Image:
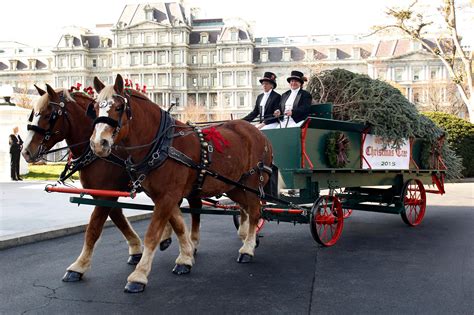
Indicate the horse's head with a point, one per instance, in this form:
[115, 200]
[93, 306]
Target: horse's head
[47, 122]
[113, 114]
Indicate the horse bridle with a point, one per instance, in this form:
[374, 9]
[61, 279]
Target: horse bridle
[58, 110]
[116, 124]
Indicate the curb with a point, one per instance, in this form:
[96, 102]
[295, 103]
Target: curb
[43, 235]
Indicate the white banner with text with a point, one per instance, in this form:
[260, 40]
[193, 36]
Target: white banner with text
[382, 155]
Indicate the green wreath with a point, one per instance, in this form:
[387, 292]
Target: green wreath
[337, 150]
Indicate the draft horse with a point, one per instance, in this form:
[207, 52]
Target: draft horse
[180, 158]
[59, 115]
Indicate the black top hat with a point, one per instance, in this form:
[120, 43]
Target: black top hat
[269, 77]
[297, 75]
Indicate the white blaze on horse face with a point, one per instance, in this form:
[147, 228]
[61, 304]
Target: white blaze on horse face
[31, 133]
[104, 108]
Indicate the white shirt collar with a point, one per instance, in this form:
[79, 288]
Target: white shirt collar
[267, 93]
[295, 90]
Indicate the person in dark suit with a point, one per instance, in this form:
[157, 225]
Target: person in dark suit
[296, 102]
[267, 102]
[16, 145]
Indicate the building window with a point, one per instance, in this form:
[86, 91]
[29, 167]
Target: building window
[76, 62]
[177, 80]
[177, 58]
[177, 37]
[134, 59]
[381, 74]
[227, 55]
[332, 53]
[176, 98]
[227, 78]
[241, 98]
[241, 78]
[162, 57]
[214, 79]
[148, 58]
[135, 39]
[149, 38]
[399, 74]
[62, 82]
[193, 82]
[205, 81]
[417, 75]
[263, 56]
[286, 54]
[435, 73]
[94, 63]
[163, 38]
[135, 78]
[62, 62]
[162, 80]
[104, 62]
[205, 59]
[194, 59]
[214, 58]
[204, 38]
[416, 97]
[121, 60]
[148, 80]
[233, 36]
[122, 40]
[227, 99]
[241, 55]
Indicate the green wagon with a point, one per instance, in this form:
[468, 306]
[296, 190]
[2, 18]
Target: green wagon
[328, 169]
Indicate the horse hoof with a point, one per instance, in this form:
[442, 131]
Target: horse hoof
[257, 241]
[134, 259]
[134, 287]
[72, 276]
[244, 258]
[164, 244]
[181, 269]
[195, 251]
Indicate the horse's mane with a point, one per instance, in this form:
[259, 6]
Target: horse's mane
[108, 91]
[139, 94]
[43, 101]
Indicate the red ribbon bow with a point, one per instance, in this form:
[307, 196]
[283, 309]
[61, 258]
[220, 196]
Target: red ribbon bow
[211, 134]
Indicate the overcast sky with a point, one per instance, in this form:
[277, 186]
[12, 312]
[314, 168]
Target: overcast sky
[39, 23]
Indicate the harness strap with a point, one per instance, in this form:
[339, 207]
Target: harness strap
[157, 154]
[106, 120]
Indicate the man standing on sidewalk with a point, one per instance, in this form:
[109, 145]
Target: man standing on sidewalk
[16, 145]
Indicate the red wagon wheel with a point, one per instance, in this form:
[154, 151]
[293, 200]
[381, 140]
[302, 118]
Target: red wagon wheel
[327, 220]
[347, 213]
[414, 201]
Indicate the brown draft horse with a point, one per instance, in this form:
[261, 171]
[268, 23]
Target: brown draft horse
[72, 124]
[128, 120]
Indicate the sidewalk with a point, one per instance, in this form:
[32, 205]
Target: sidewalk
[29, 214]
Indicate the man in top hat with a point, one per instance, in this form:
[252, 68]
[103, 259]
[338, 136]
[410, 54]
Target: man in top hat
[267, 102]
[16, 144]
[295, 103]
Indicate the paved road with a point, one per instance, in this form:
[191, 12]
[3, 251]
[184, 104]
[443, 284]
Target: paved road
[379, 266]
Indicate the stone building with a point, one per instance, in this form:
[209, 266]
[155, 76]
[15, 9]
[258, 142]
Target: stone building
[209, 64]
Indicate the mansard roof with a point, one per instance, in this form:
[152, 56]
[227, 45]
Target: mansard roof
[400, 47]
[163, 13]
[195, 36]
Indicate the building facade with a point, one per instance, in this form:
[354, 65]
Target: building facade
[210, 65]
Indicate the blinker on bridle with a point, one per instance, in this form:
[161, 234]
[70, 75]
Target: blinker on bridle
[117, 124]
[47, 133]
